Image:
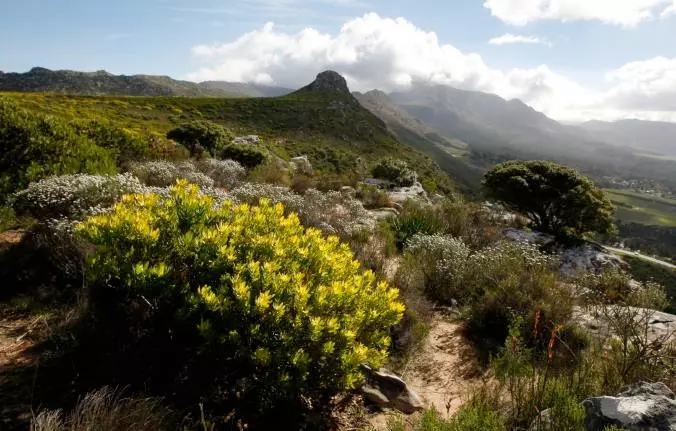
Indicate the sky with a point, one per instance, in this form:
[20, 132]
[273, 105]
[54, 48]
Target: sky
[575, 60]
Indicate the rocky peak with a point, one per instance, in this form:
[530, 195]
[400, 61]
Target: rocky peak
[329, 82]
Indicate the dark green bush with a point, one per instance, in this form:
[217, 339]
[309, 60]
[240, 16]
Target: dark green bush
[198, 135]
[246, 155]
[395, 171]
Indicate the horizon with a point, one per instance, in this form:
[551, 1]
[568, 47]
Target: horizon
[572, 61]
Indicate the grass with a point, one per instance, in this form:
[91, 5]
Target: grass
[645, 209]
[337, 134]
[644, 271]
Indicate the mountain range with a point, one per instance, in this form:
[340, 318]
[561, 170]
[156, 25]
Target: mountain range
[465, 132]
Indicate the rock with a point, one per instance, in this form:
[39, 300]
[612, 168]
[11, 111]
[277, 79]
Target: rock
[246, 140]
[415, 192]
[588, 257]
[385, 389]
[349, 190]
[378, 183]
[301, 164]
[528, 236]
[658, 325]
[384, 213]
[328, 82]
[642, 407]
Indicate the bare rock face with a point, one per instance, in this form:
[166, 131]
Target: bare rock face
[415, 192]
[301, 164]
[385, 389]
[246, 140]
[642, 407]
[329, 82]
[656, 325]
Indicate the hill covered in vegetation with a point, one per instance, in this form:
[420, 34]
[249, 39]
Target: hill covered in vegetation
[323, 121]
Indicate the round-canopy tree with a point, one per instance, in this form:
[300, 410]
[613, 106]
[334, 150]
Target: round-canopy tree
[201, 134]
[556, 199]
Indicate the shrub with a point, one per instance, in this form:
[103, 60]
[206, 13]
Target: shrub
[73, 196]
[224, 173]
[289, 307]
[469, 418]
[106, 409]
[126, 146]
[163, 174]
[247, 155]
[199, 135]
[372, 197]
[252, 193]
[270, 172]
[395, 171]
[415, 219]
[335, 212]
[33, 147]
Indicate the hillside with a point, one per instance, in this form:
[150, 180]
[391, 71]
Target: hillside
[448, 153]
[497, 129]
[322, 120]
[645, 136]
[102, 83]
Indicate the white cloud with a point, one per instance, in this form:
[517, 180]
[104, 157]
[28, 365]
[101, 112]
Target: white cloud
[509, 38]
[391, 54]
[669, 11]
[626, 13]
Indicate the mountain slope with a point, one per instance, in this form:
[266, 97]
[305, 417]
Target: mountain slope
[102, 83]
[322, 120]
[490, 124]
[448, 153]
[648, 136]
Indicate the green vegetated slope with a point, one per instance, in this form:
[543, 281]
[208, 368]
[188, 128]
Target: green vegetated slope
[321, 120]
[645, 209]
[643, 270]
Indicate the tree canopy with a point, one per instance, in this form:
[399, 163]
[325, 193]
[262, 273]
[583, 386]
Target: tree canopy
[556, 199]
[200, 134]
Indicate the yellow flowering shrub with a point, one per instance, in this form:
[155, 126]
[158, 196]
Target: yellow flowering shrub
[291, 304]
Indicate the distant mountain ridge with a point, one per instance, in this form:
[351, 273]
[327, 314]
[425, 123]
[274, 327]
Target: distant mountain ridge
[647, 136]
[102, 83]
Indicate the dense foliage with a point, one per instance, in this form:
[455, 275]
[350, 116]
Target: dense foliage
[200, 135]
[289, 305]
[33, 147]
[395, 171]
[245, 154]
[556, 199]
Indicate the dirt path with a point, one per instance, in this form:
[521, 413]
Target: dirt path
[443, 372]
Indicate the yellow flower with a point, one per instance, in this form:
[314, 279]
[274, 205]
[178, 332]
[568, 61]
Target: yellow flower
[263, 301]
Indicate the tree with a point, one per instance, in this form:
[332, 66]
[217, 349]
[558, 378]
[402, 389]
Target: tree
[245, 154]
[556, 199]
[199, 134]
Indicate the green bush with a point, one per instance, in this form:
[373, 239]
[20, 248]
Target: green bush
[200, 135]
[33, 147]
[288, 305]
[415, 219]
[395, 171]
[246, 155]
[127, 146]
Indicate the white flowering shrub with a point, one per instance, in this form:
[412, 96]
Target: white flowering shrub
[252, 193]
[333, 210]
[73, 196]
[496, 283]
[224, 173]
[160, 173]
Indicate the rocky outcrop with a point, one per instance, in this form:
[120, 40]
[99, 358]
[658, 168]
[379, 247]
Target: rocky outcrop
[588, 257]
[656, 325]
[301, 164]
[388, 390]
[415, 192]
[642, 407]
[246, 140]
[328, 82]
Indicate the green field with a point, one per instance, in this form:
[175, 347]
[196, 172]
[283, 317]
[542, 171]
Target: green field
[645, 209]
